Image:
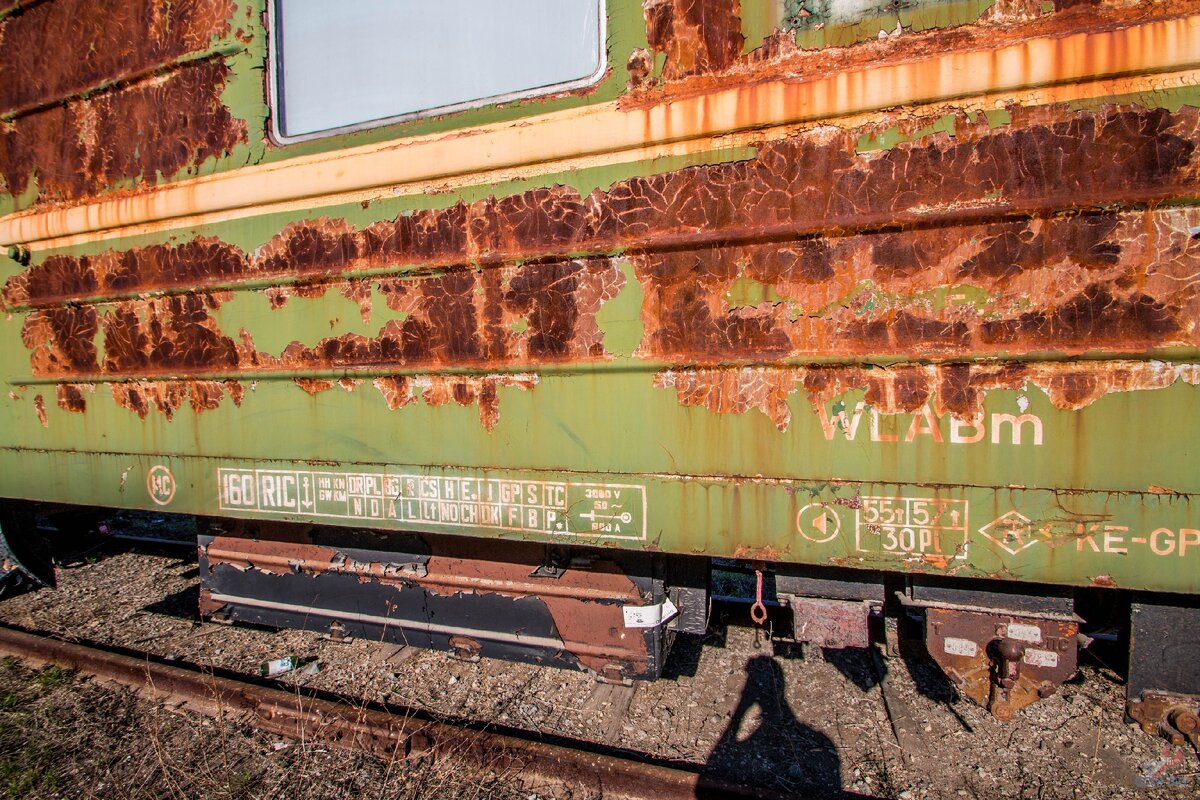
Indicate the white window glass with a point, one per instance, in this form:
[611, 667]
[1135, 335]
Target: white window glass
[359, 63]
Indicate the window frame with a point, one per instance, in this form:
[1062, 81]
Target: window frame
[274, 100]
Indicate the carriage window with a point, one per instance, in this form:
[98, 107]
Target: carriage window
[346, 66]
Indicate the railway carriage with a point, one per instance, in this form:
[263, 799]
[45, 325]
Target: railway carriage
[532, 329]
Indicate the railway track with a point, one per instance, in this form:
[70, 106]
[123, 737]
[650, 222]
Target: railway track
[542, 763]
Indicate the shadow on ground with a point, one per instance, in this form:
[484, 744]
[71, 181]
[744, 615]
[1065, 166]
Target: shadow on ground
[765, 743]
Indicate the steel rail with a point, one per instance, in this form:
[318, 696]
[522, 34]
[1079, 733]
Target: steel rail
[300, 713]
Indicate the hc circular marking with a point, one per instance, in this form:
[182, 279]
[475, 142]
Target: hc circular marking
[160, 483]
[818, 523]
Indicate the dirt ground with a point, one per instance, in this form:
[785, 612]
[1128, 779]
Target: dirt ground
[816, 723]
[65, 737]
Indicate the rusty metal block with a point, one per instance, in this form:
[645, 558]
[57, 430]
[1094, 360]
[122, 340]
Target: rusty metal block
[1174, 717]
[831, 623]
[1002, 661]
[1164, 673]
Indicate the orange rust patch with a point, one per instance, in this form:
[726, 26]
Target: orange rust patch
[61, 340]
[165, 334]
[156, 127]
[54, 50]
[438, 390]
[814, 183]
[758, 553]
[167, 397]
[270, 555]
[208, 606]
[39, 405]
[697, 36]
[70, 396]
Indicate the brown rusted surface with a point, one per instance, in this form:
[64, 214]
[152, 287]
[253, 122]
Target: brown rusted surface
[459, 318]
[437, 390]
[697, 36]
[70, 396]
[208, 607]
[1174, 717]
[158, 126]
[467, 318]
[944, 249]
[830, 623]
[62, 340]
[59, 49]
[1047, 160]
[270, 554]
[1007, 22]
[167, 397]
[1002, 662]
[167, 333]
[174, 333]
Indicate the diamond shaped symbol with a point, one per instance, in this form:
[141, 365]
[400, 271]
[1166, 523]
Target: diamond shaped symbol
[1012, 531]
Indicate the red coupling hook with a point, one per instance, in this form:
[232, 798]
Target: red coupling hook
[758, 612]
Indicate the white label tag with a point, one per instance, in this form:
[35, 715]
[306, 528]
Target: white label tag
[960, 647]
[1026, 633]
[649, 616]
[1041, 658]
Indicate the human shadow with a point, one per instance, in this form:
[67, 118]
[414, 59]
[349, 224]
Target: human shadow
[184, 604]
[781, 751]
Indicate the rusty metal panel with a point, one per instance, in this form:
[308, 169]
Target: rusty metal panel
[564, 609]
[52, 51]
[956, 338]
[1002, 661]
[94, 101]
[830, 623]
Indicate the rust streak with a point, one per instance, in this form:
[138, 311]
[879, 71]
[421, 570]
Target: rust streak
[780, 57]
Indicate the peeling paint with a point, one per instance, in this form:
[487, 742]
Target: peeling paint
[160, 126]
[1046, 159]
[957, 390]
[696, 36]
[60, 49]
[1002, 273]
[806, 37]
